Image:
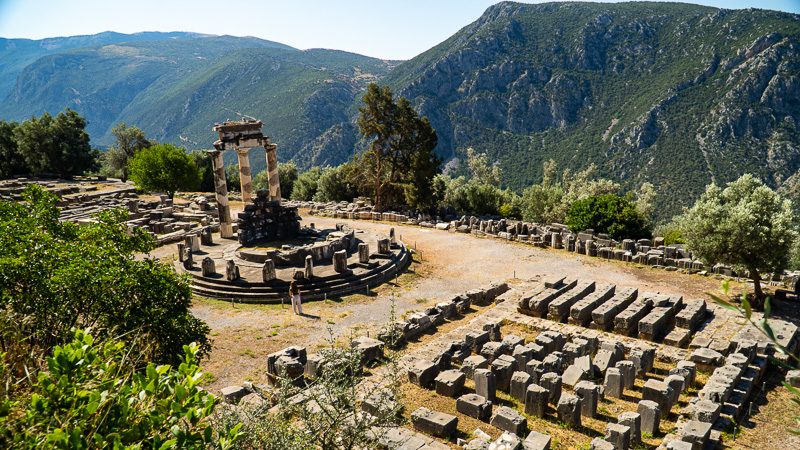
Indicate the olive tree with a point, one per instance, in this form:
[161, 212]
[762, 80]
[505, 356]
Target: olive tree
[164, 168]
[746, 225]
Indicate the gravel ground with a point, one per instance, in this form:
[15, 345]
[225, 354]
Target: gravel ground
[450, 264]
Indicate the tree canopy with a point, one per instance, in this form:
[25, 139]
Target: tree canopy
[164, 168]
[57, 144]
[127, 141]
[61, 276]
[401, 158]
[609, 214]
[746, 225]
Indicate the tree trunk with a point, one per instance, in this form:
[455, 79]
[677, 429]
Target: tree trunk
[758, 300]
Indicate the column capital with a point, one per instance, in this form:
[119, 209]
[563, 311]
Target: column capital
[214, 152]
[242, 151]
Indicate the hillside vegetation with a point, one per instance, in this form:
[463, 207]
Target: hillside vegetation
[673, 94]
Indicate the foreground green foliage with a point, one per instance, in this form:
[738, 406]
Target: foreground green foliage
[62, 276]
[746, 225]
[164, 168]
[90, 396]
[609, 214]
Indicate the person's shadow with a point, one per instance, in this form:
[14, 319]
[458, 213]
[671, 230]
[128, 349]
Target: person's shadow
[310, 316]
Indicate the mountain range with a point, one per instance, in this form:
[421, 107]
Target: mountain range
[675, 94]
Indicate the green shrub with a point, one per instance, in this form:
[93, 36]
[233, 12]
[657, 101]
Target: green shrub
[91, 397]
[610, 214]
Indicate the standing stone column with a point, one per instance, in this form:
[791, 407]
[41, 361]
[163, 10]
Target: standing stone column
[363, 253]
[340, 261]
[309, 272]
[272, 168]
[221, 188]
[268, 271]
[244, 175]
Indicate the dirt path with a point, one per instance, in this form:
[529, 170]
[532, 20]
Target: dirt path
[451, 264]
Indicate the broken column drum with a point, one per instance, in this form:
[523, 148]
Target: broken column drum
[221, 188]
[265, 218]
[363, 253]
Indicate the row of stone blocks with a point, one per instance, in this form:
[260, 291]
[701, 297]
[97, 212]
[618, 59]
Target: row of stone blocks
[418, 323]
[647, 316]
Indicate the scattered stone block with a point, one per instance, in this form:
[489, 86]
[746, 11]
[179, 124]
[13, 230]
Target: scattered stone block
[628, 373]
[434, 423]
[793, 378]
[423, 373]
[536, 441]
[507, 419]
[485, 384]
[232, 394]
[659, 392]
[313, 366]
[502, 368]
[619, 435]
[208, 268]
[696, 433]
[536, 398]
[650, 415]
[634, 422]
[600, 444]
[686, 369]
[613, 383]
[569, 409]
[369, 349]
[552, 382]
[379, 403]
[603, 360]
[519, 385]
[679, 445]
[493, 328]
[522, 354]
[706, 411]
[573, 375]
[473, 362]
[589, 393]
[677, 383]
[476, 340]
[450, 382]
[492, 350]
[474, 405]
[511, 341]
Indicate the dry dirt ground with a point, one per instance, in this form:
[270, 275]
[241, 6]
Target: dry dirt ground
[446, 264]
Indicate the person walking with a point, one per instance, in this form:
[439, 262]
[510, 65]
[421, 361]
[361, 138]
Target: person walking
[294, 291]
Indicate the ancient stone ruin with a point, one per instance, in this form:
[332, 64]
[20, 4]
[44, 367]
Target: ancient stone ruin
[263, 216]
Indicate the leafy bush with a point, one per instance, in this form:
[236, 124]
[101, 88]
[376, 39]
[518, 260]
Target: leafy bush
[164, 168]
[306, 185]
[63, 276]
[335, 185]
[90, 396]
[610, 214]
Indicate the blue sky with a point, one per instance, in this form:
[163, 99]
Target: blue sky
[383, 29]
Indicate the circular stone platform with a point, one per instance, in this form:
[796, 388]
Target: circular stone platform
[250, 287]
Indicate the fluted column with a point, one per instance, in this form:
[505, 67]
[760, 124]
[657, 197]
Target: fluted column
[272, 167]
[244, 175]
[221, 188]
